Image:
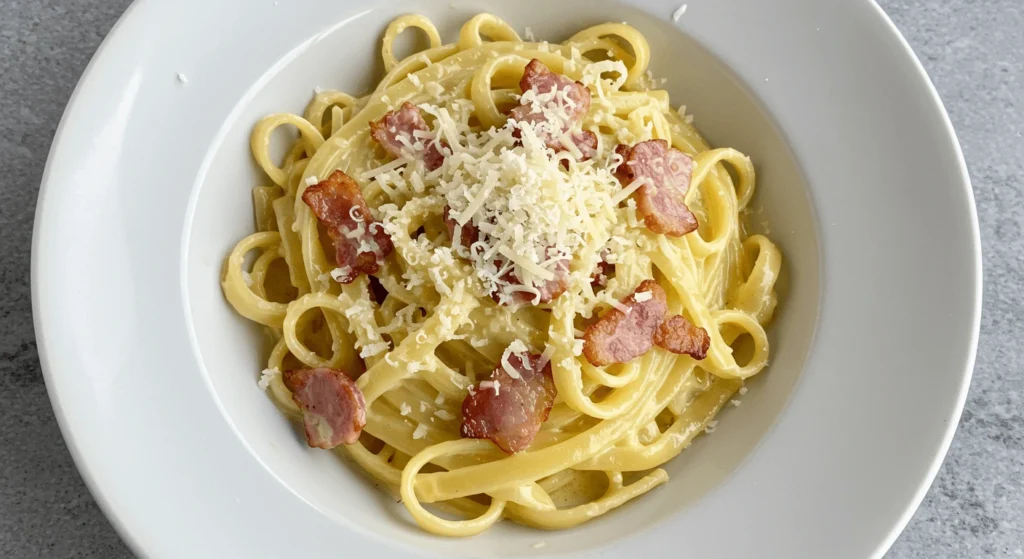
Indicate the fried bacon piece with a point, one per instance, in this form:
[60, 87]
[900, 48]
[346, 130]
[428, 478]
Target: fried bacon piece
[396, 133]
[360, 242]
[333, 408]
[681, 336]
[509, 408]
[541, 80]
[470, 233]
[619, 337]
[666, 171]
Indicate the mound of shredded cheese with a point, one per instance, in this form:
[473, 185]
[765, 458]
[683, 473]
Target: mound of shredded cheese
[532, 206]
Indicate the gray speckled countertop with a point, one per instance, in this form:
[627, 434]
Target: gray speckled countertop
[974, 52]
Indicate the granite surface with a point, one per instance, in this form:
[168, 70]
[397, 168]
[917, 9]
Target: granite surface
[974, 52]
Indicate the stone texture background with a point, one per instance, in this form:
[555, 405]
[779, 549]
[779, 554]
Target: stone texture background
[974, 52]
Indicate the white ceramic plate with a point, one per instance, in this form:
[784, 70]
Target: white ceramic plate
[861, 183]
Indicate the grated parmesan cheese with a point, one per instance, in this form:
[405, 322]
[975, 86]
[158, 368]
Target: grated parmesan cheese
[420, 432]
[385, 168]
[628, 191]
[373, 349]
[619, 306]
[435, 89]
[534, 209]
[312, 180]
[405, 409]
[268, 377]
[340, 273]
[496, 385]
[443, 415]
[545, 357]
[631, 216]
[532, 214]
[518, 348]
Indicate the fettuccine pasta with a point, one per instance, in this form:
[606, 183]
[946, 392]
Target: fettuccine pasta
[500, 233]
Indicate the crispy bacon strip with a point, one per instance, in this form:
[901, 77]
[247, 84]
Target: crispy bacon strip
[333, 408]
[360, 242]
[662, 199]
[681, 336]
[619, 337]
[396, 134]
[540, 79]
[509, 410]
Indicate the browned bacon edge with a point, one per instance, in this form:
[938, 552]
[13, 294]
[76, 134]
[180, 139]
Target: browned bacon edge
[333, 408]
[681, 336]
[510, 411]
[619, 337]
[661, 201]
[339, 205]
[403, 123]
